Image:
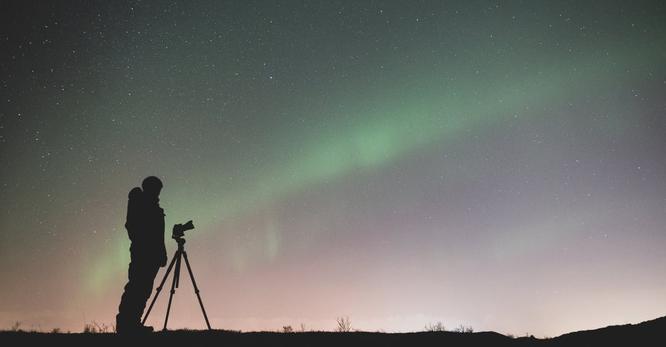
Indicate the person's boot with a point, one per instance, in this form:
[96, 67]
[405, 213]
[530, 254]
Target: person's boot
[144, 329]
[131, 327]
[121, 325]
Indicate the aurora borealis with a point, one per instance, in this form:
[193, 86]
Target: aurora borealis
[493, 164]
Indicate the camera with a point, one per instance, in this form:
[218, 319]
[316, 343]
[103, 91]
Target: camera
[180, 229]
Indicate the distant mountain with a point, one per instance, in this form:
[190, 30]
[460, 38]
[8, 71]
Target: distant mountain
[649, 333]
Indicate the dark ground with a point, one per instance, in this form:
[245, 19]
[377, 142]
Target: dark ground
[650, 333]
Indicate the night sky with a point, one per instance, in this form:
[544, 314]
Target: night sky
[491, 164]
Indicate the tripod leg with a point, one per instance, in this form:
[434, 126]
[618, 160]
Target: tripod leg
[173, 287]
[159, 288]
[196, 289]
[178, 272]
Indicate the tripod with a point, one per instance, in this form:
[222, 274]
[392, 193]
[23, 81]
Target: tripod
[180, 254]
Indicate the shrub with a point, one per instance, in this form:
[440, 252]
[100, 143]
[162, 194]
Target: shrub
[435, 327]
[344, 325]
[464, 329]
[96, 328]
[16, 326]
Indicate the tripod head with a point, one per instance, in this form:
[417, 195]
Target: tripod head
[178, 231]
[181, 241]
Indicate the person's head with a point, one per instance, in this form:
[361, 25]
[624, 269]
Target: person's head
[151, 186]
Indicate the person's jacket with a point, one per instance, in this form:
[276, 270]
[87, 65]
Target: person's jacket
[145, 228]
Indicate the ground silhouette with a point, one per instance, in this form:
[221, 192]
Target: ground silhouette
[649, 333]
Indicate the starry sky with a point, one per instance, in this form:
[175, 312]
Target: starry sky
[492, 164]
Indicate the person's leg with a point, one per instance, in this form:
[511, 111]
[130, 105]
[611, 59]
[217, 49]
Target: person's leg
[148, 280]
[137, 292]
[126, 317]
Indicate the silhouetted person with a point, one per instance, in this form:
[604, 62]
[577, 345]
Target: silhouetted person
[145, 228]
